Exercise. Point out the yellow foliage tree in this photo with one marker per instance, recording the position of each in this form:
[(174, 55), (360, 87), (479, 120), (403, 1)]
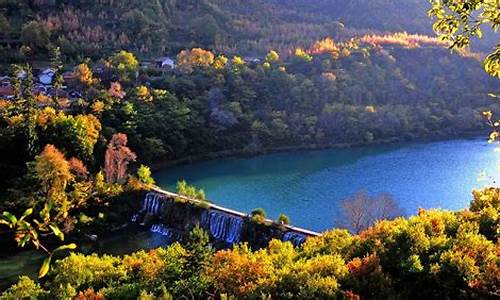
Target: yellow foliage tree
[(187, 60)]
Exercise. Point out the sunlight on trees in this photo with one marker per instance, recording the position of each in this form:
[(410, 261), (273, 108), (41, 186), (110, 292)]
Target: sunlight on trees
[(460, 21)]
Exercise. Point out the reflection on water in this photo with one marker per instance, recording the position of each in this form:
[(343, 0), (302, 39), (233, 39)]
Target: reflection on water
[(308, 185), (118, 243)]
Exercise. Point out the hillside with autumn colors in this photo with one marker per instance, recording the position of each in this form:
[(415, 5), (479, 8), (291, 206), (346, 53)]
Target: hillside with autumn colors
[(156, 28), (95, 95)]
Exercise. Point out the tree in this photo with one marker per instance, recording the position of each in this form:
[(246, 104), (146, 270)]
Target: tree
[(57, 66), (361, 211), (460, 21), (54, 173), (117, 158), (188, 60), (272, 57), (84, 74), (125, 64), (35, 35), (144, 176)]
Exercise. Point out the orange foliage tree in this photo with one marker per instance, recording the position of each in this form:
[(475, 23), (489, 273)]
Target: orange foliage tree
[(117, 158), (187, 60)]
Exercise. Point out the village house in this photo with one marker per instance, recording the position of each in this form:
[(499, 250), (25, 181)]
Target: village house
[(46, 76), (165, 62)]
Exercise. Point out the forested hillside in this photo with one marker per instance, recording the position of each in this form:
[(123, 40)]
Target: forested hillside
[(87, 28), (85, 107)]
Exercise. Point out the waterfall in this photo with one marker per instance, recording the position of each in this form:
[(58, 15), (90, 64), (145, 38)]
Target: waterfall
[(152, 204), (134, 218), (222, 226), (297, 239), (165, 231)]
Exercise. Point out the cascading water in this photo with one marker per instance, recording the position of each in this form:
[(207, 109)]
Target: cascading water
[(297, 239), (222, 226), (152, 204), (169, 233)]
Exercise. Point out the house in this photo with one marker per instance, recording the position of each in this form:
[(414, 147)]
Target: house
[(46, 76), (69, 76), (74, 95), (39, 89), (61, 93), (165, 62), (252, 59), (5, 81), (6, 92)]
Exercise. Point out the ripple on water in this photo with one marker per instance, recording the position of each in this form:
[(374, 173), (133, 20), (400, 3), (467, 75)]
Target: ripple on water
[(309, 185)]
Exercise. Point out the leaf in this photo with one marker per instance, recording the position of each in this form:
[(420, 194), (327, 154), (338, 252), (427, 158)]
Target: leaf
[(45, 267), (57, 232), (24, 240), (28, 212), (71, 246), (9, 217)]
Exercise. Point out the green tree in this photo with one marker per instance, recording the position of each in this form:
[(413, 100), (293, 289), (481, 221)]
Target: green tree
[(35, 35), (144, 176)]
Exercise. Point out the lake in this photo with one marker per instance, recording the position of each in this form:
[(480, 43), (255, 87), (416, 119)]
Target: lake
[(308, 186)]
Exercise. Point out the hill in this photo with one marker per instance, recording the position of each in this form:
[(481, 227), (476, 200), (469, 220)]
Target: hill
[(89, 28)]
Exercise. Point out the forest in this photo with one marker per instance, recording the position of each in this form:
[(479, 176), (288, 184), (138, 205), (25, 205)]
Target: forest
[(246, 77), (152, 28)]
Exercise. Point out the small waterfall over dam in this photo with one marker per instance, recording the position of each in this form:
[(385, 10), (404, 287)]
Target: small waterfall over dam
[(222, 226), (174, 220)]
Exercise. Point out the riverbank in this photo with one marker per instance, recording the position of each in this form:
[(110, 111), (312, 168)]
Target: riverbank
[(241, 153)]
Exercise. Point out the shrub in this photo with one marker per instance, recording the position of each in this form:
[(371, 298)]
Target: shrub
[(24, 289), (258, 215), (283, 219)]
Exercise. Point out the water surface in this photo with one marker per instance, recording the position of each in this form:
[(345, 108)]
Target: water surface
[(309, 185)]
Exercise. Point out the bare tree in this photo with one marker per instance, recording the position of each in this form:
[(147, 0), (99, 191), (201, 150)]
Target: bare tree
[(361, 211)]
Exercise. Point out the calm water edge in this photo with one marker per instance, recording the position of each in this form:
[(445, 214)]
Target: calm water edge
[(308, 186)]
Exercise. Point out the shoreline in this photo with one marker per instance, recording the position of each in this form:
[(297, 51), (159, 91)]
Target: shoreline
[(242, 153)]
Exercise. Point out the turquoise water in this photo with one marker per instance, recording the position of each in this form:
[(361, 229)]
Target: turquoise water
[(309, 185)]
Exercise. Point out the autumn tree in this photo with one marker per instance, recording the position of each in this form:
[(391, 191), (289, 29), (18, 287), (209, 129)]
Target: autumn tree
[(84, 74), (361, 211), (460, 21), (188, 60), (125, 64), (117, 158), (54, 173)]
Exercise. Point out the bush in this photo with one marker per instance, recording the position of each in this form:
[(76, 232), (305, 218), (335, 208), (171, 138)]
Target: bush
[(24, 289), (258, 215), (283, 219)]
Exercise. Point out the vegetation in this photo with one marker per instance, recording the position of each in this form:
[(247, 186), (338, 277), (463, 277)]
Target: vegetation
[(460, 22), (241, 83), (437, 254), (361, 211)]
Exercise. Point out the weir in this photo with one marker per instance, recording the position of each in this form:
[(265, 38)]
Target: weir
[(222, 224)]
